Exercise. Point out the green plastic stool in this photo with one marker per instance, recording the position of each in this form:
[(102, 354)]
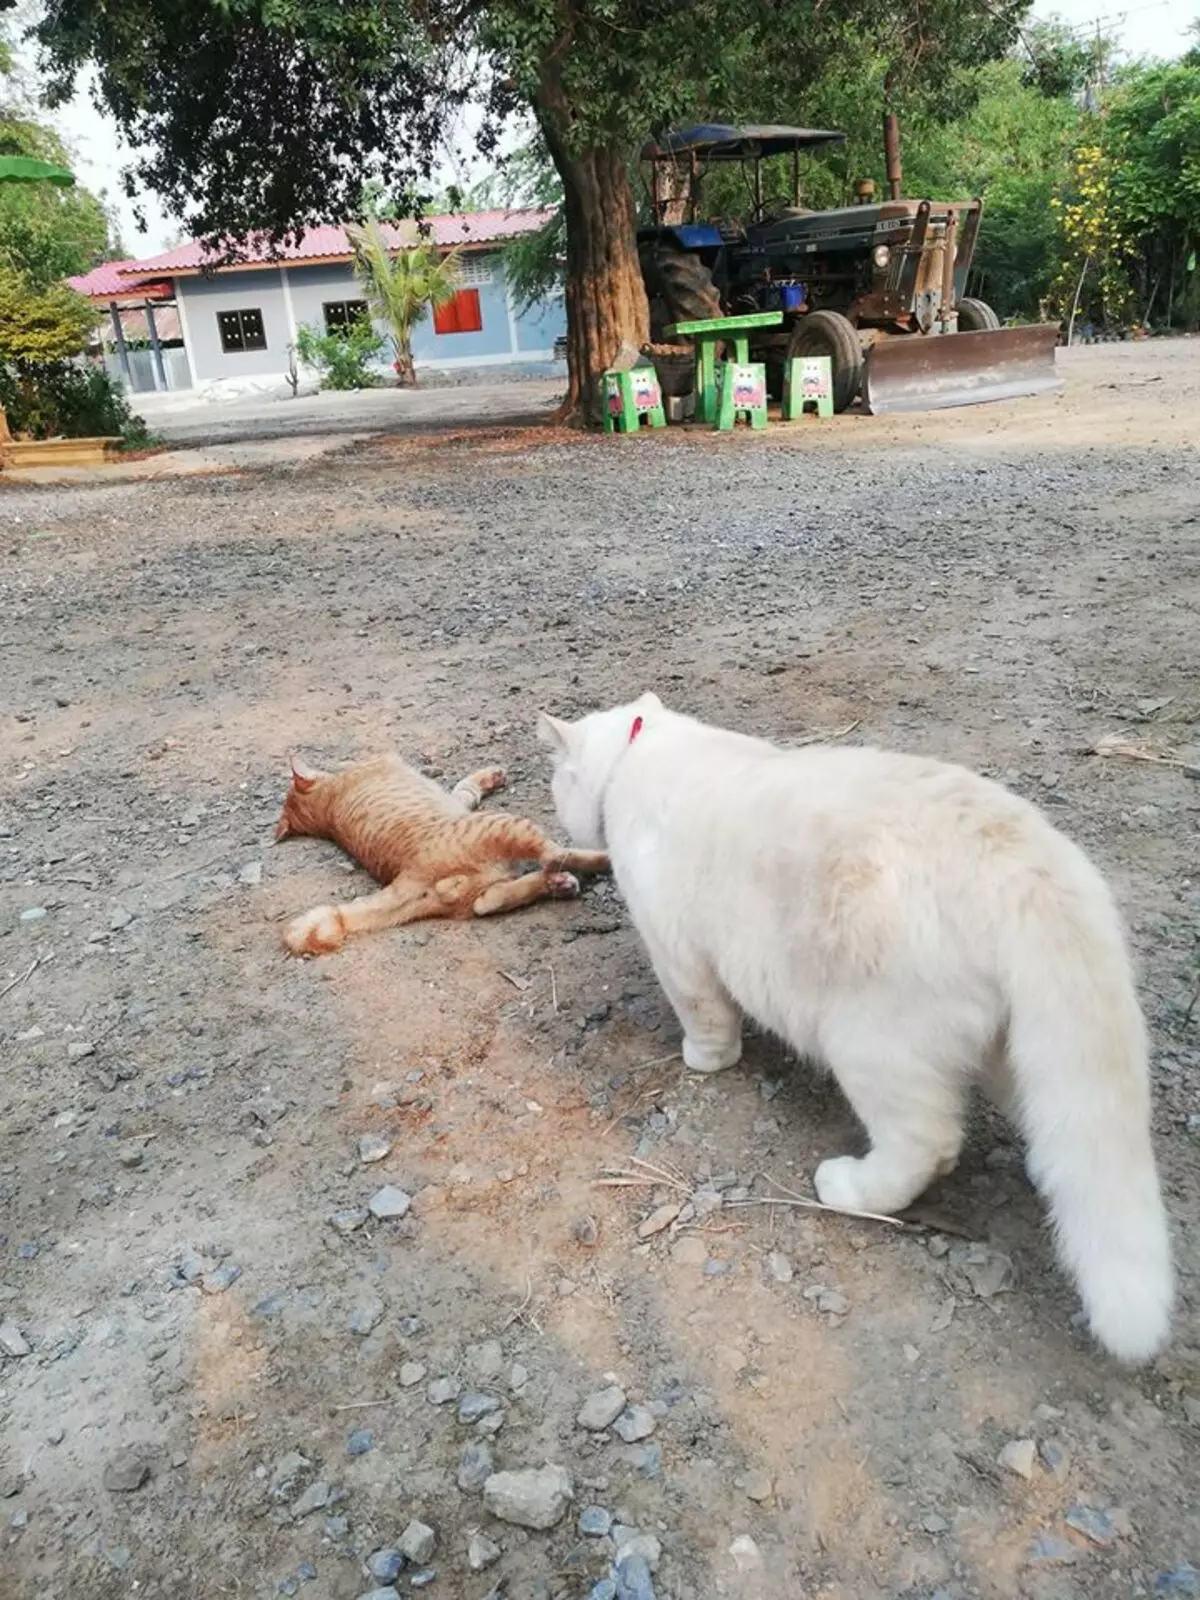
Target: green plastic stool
[(807, 386), (631, 396), (742, 391)]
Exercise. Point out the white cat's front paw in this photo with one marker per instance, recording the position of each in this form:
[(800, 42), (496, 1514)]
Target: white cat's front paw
[(838, 1184), (711, 1058)]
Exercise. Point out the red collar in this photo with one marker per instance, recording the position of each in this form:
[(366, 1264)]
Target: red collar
[(636, 729)]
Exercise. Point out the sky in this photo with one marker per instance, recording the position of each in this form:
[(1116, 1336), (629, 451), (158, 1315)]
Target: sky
[(1146, 28)]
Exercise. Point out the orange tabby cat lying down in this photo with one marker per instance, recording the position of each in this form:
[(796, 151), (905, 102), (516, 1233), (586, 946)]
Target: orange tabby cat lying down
[(435, 858)]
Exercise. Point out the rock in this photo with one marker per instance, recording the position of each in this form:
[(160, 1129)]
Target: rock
[(715, 1267), (381, 1594), (359, 1442), (251, 875), (442, 1390), (780, 1267), (366, 1315), (475, 1467), (746, 1554), (1048, 1550), (934, 1522), (606, 1589), (19, 1520), (661, 1217), (690, 1251), (373, 1147), (943, 1316), (586, 1232), (1179, 1580), (534, 1497), (418, 1542), (633, 1577), (337, 1527), (119, 918), (1102, 1528), (595, 1522), (131, 1156), (422, 1579), (1019, 1456), (33, 913), (411, 1373), (389, 1203), (482, 1552), (601, 1410), (314, 1498), (759, 1485), (638, 1422), (633, 1542), (1055, 1458), (385, 1566), (218, 1281), (831, 1300), (474, 1405), (14, 1343), (56, 1435), (485, 1361), (287, 1469), (518, 1377), (80, 1049), (306, 1572), (988, 1272), (128, 1470), (347, 1221)]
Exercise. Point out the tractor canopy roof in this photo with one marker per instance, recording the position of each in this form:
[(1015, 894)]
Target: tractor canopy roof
[(720, 141)]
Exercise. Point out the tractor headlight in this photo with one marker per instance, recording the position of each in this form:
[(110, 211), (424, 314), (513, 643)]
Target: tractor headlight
[(881, 255)]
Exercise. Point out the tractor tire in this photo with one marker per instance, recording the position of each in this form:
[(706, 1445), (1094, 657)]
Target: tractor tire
[(828, 333), (679, 286), (675, 365), (976, 316)]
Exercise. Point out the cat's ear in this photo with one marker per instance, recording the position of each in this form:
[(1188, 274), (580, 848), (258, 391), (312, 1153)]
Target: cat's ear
[(650, 702), (553, 733), (303, 777)]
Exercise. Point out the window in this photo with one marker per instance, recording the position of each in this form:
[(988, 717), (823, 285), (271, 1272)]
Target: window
[(460, 315), (474, 270), (241, 330), (343, 314)]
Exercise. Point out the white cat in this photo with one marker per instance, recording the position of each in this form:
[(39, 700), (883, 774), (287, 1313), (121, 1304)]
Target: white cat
[(915, 927)]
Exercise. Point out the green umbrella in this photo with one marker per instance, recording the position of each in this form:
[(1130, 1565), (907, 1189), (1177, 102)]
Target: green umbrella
[(28, 169)]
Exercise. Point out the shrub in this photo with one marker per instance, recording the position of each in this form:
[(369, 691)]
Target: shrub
[(78, 399), (341, 359)]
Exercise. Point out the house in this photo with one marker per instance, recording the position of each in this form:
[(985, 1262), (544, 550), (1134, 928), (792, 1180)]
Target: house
[(207, 322)]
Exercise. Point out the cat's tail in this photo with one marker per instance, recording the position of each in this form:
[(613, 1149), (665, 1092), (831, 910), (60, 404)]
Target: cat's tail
[(1078, 1052)]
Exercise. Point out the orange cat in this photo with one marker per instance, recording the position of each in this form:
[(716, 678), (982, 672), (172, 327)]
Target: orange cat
[(435, 858)]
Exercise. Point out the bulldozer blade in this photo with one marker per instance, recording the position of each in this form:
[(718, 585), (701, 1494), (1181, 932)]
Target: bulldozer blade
[(915, 372)]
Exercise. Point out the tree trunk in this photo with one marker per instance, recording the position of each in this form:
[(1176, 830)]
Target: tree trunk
[(606, 299)]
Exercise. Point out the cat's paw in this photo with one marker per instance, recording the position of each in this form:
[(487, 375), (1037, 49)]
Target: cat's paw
[(491, 780), (838, 1183), (711, 1058), (316, 933), (562, 886)]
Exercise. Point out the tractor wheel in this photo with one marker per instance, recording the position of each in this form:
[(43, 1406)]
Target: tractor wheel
[(679, 286), (976, 316), (828, 333)]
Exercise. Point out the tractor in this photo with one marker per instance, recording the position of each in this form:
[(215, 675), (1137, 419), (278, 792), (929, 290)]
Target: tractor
[(879, 286)]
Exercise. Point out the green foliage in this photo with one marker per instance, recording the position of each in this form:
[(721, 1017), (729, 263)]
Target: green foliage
[(78, 399), (41, 324), (401, 285), (341, 359)]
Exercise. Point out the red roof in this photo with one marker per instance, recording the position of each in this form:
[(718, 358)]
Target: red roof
[(110, 281), (329, 242)]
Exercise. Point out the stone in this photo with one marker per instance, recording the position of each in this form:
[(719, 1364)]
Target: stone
[(306, 1572), (533, 1497), (347, 1221), (389, 1593), (1019, 1456), (606, 1589), (251, 874), (119, 918), (442, 1390), (126, 1471), (831, 1300), (33, 913), (1055, 1458), (475, 1467), (422, 1579), (474, 1405), (337, 1527), (366, 1315), (633, 1578), (595, 1522), (418, 1542), (359, 1442), (218, 1281), (780, 1267), (385, 1566), (660, 1218), (14, 1343), (518, 1377), (989, 1272), (389, 1203), (759, 1485), (934, 1522), (411, 1373), (80, 1049), (1101, 1528), (314, 1498), (373, 1147), (485, 1361), (690, 1251), (638, 1422), (482, 1552), (747, 1557), (1178, 1580), (287, 1469), (633, 1542), (1049, 1550), (601, 1410)]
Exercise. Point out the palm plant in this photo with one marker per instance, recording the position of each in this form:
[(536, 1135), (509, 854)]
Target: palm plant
[(401, 285)]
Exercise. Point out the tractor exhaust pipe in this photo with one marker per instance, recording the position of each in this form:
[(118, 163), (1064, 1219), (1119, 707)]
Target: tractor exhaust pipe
[(891, 155)]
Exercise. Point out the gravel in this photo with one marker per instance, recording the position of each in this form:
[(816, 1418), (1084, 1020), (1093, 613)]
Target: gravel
[(388, 1203), (600, 1410), (127, 1471), (532, 1497), (418, 1542)]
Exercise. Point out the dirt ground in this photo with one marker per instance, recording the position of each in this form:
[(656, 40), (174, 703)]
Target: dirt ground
[(207, 1386)]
